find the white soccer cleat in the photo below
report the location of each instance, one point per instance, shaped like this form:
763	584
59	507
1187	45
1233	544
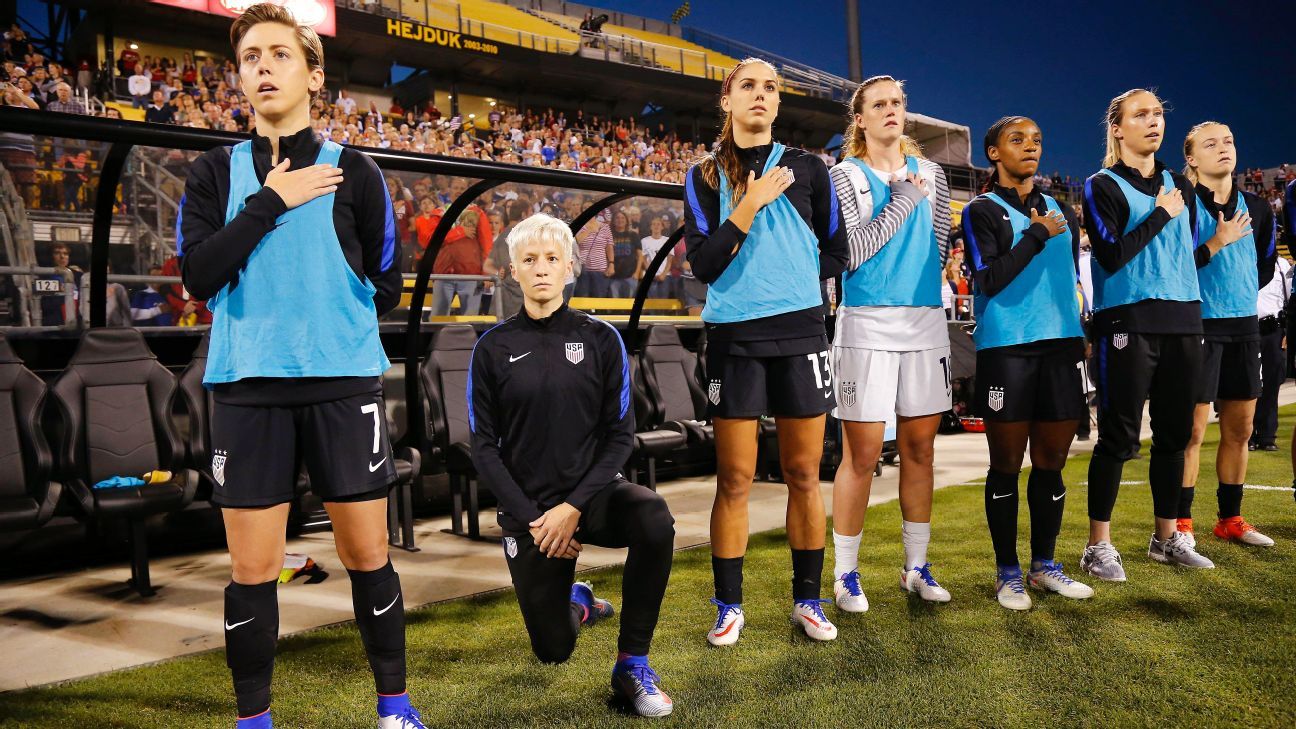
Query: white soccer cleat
849	595
1175	550
809	615
640	687
728	625
1103	561
1051	578
919	580
1009	589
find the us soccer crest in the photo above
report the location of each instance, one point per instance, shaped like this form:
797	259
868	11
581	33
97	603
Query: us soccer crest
848	393
218	467
575	352
996	398
713	392
1120	340
510	547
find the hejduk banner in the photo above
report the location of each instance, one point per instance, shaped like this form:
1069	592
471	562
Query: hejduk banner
318	14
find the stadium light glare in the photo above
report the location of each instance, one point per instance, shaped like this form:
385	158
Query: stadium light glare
134	46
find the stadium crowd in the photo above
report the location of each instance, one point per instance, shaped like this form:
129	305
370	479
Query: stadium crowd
203	92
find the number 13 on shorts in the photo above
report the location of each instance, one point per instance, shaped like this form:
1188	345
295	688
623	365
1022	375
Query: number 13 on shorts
821	364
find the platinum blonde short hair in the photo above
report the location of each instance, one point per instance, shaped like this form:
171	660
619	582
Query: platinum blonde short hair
542	227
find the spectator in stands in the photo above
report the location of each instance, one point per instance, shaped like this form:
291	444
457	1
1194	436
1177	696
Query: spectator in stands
186	310
596	252
460	254
139	85
127	60
649	245
55	310
65	103
75	177
507	289
403	211
24	85
18	151
626	257
148	307
346	103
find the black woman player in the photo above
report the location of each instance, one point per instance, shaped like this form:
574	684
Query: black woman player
291	241
762	230
552	426
1024	249
1235	254
1146	326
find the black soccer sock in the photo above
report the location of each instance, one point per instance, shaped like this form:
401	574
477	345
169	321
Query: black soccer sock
1046	497
380	614
807	573
1104	485
1186	495
1165	472
728	574
1001	515
1229	496
251	630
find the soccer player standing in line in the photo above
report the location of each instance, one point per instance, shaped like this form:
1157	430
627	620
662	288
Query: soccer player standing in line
1235	256
891	354
292	242
549	408
763	229
1147	328
1030	350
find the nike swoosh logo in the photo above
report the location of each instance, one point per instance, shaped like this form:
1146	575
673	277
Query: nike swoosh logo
378	612
375	466
1005	217
1059	496
1000	496
827	395
513	359
235	625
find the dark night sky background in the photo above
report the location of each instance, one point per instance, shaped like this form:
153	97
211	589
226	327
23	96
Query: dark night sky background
1057	62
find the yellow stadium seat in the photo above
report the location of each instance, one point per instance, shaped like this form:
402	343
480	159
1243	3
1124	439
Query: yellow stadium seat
506	24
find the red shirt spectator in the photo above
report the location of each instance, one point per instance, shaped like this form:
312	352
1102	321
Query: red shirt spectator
127	60
466	245
179	300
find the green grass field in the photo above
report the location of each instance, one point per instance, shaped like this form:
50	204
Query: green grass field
1170	647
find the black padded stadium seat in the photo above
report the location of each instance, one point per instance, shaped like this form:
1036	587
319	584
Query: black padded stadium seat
670	378
115	400
651	441
408	462
27	495
443	377
197	400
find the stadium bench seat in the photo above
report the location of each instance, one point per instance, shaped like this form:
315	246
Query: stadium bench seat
670	375
115	401
443	377
408	462
27	495
651	441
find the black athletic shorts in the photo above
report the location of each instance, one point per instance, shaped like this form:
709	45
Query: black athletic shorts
257	452
1230	370
1033	381
745	383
